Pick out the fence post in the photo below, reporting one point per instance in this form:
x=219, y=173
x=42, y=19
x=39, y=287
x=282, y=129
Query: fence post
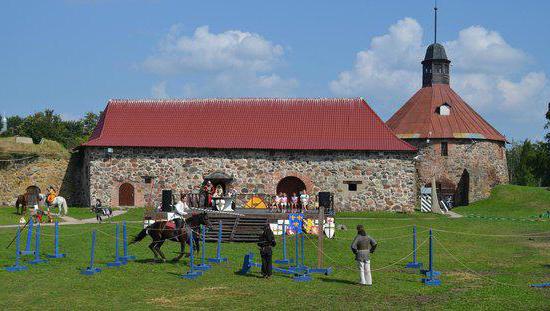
x=203, y=265
x=431, y=275
x=17, y=267
x=91, y=269
x=37, y=259
x=414, y=264
x=28, y=250
x=126, y=257
x=56, y=253
x=191, y=274
x=285, y=260
x=219, y=258
x=117, y=262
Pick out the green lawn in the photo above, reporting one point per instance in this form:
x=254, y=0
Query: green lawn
x=491, y=265
x=511, y=201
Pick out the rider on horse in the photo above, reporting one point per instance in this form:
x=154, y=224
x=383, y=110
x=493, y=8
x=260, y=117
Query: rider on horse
x=180, y=210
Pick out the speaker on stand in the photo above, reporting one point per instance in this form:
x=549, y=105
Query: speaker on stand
x=166, y=201
x=326, y=201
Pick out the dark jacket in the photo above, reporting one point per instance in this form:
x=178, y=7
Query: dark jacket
x=362, y=246
x=267, y=240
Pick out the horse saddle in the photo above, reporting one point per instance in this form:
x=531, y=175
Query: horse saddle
x=170, y=225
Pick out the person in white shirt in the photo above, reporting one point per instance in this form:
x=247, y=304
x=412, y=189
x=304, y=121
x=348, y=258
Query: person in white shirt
x=181, y=209
x=304, y=200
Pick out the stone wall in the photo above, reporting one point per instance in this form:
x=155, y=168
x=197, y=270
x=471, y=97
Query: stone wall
x=387, y=179
x=63, y=174
x=485, y=162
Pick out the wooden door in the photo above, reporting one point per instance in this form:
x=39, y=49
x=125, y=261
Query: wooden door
x=126, y=195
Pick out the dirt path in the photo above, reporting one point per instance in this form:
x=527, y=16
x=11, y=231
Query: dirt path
x=67, y=220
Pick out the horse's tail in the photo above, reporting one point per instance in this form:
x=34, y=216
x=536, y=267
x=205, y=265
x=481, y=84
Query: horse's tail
x=64, y=206
x=140, y=236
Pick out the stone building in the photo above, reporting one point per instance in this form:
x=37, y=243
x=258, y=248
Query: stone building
x=455, y=144
x=259, y=145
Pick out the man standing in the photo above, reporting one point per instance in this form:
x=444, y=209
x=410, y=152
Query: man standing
x=362, y=246
x=267, y=241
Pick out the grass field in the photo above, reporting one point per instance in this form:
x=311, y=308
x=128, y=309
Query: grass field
x=485, y=265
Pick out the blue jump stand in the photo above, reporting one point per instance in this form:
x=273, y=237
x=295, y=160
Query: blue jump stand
x=304, y=277
x=56, y=253
x=126, y=257
x=414, y=264
x=37, y=259
x=28, y=246
x=541, y=285
x=17, y=267
x=91, y=270
x=248, y=263
x=192, y=273
x=118, y=262
x=218, y=258
x=431, y=275
x=203, y=266
x=285, y=260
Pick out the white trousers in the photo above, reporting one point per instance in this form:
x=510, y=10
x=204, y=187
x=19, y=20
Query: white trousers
x=364, y=272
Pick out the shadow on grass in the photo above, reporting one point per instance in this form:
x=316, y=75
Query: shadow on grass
x=341, y=281
x=546, y=266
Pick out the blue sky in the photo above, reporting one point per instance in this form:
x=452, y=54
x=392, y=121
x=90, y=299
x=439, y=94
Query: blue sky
x=74, y=55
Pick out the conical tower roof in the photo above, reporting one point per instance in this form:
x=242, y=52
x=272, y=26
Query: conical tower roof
x=422, y=116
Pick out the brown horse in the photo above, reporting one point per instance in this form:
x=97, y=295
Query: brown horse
x=21, y=203
x=160, y=233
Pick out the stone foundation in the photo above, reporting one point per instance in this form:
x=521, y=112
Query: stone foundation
x=485, y=162
x=385, y=180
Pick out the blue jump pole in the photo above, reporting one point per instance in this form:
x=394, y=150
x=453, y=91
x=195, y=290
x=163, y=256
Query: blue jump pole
x=56, y=253
x=203, y=265
x=126, y=257
x=37, y=259
x=192, y=273
x=28, y=246
x=414, y=264
x=219, y=257
x=17, y=267
x=431, y=275
x=305, y=277
x=118, y=262
x=91, y=270
x=285, y=260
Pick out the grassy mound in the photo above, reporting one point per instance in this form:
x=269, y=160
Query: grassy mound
x=9, y=149
x=511, y=201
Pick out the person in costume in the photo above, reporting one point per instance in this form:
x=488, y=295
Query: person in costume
x=293, y=202
x=267, y=241
x=209, y=191
x=284, y=203
x=304, y=200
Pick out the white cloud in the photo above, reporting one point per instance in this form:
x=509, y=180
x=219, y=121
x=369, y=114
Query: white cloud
x=229, y=63
x=390, y=64
x=159, y=90
x=480, y=50
x=486, y=72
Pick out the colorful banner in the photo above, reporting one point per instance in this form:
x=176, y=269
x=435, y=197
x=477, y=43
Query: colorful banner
x=295, y=222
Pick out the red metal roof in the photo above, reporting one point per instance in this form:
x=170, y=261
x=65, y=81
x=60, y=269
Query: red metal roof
x=298, y=124
x=419, y=118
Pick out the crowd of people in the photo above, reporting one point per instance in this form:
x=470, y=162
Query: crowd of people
x=282, y=203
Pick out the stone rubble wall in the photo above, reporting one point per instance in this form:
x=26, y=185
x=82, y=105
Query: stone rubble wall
x=484, y=160
x=388, y=179
x=63, y=174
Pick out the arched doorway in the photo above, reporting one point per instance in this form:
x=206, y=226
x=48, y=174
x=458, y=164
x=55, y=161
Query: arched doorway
x=126, y=195
x=463, y=190
x=290, y=185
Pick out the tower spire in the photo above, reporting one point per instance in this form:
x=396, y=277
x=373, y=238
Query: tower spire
x=435, y=22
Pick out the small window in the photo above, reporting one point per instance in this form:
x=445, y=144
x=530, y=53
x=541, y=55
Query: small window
x=444, y=110
x=444, y=149
x=352, y=185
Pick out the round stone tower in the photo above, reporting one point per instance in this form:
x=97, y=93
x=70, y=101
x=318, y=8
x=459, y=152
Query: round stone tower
x=464, y=153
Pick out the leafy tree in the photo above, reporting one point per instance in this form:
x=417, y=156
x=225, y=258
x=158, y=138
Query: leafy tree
x=547, y=126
